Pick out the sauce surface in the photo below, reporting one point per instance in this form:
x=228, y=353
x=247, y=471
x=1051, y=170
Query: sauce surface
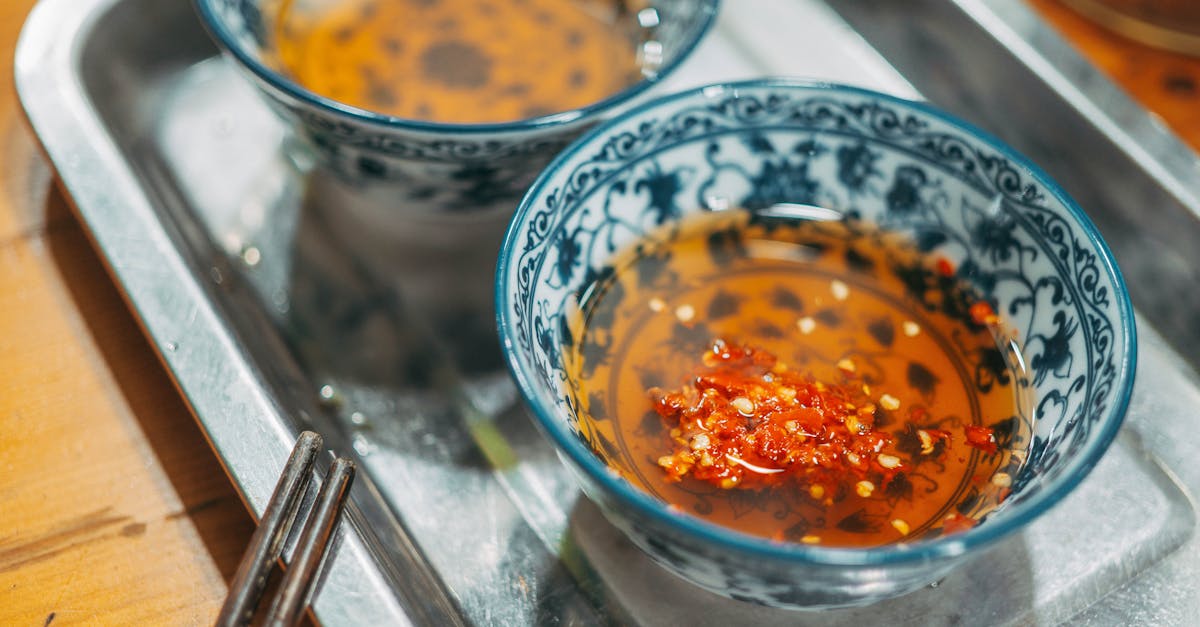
x=458, y=61
x=926, y=367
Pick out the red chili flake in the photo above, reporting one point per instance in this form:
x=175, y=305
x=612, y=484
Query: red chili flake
x=944, y=267
x=982, y=313
x=982, y=438
x=748, y=420
x=957, y=523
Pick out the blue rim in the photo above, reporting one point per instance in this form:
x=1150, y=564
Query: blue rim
x=702, y=530
x=220, y=31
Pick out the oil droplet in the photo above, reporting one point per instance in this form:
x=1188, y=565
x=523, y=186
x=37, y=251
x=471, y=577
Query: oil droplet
x=251, y=256
x=362, y=446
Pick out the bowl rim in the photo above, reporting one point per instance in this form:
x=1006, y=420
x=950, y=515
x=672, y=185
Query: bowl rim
x=224, y=36
x=699, y=529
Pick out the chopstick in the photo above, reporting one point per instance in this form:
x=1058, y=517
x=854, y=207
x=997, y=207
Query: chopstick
x=266, y=545
x=314, y=540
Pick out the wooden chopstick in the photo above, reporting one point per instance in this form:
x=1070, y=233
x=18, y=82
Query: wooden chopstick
x=266, y=546
x=301, y=574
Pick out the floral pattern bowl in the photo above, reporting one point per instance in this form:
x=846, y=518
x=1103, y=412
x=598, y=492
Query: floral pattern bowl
x=426, y=165
x=1013, y=234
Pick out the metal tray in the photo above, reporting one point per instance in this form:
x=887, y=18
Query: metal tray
x=269, y=324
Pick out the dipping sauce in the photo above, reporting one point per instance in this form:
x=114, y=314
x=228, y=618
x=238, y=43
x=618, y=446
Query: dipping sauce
x=459, y=61
x=813, y=382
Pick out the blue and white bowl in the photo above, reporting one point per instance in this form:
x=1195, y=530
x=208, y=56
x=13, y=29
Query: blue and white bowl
x=1013, y=233
x=439, y=167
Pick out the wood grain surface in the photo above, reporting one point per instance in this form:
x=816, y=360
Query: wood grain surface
x=113, y=509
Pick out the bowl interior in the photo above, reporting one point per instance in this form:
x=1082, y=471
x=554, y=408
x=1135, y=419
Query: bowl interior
x=671, y=29
x=1008, y=230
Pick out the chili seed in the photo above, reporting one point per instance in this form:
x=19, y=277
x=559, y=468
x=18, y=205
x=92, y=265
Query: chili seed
x=926, y=441
x=891, y=462
x=744, y=405
x=840, y=290
x=889, y=402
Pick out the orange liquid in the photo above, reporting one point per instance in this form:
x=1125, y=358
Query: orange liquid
x=459, y=61
x=814, y=295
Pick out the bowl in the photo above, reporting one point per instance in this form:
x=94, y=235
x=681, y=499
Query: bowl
x=1015, y=235
x=436, y=167
x=423, y=205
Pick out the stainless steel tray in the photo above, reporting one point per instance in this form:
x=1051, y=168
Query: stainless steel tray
x=269, y=324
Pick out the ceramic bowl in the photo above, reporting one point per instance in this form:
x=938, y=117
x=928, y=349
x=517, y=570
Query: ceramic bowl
x=439, y=167
x=1013, y=233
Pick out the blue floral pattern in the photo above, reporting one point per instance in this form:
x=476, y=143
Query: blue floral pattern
x=443, y=168
x=756, y=145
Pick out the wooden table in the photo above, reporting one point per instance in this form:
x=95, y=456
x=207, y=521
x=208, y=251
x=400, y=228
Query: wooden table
x=113, y=508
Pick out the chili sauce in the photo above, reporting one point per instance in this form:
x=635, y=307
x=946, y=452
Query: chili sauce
x=459, y=61
x=812, y=382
